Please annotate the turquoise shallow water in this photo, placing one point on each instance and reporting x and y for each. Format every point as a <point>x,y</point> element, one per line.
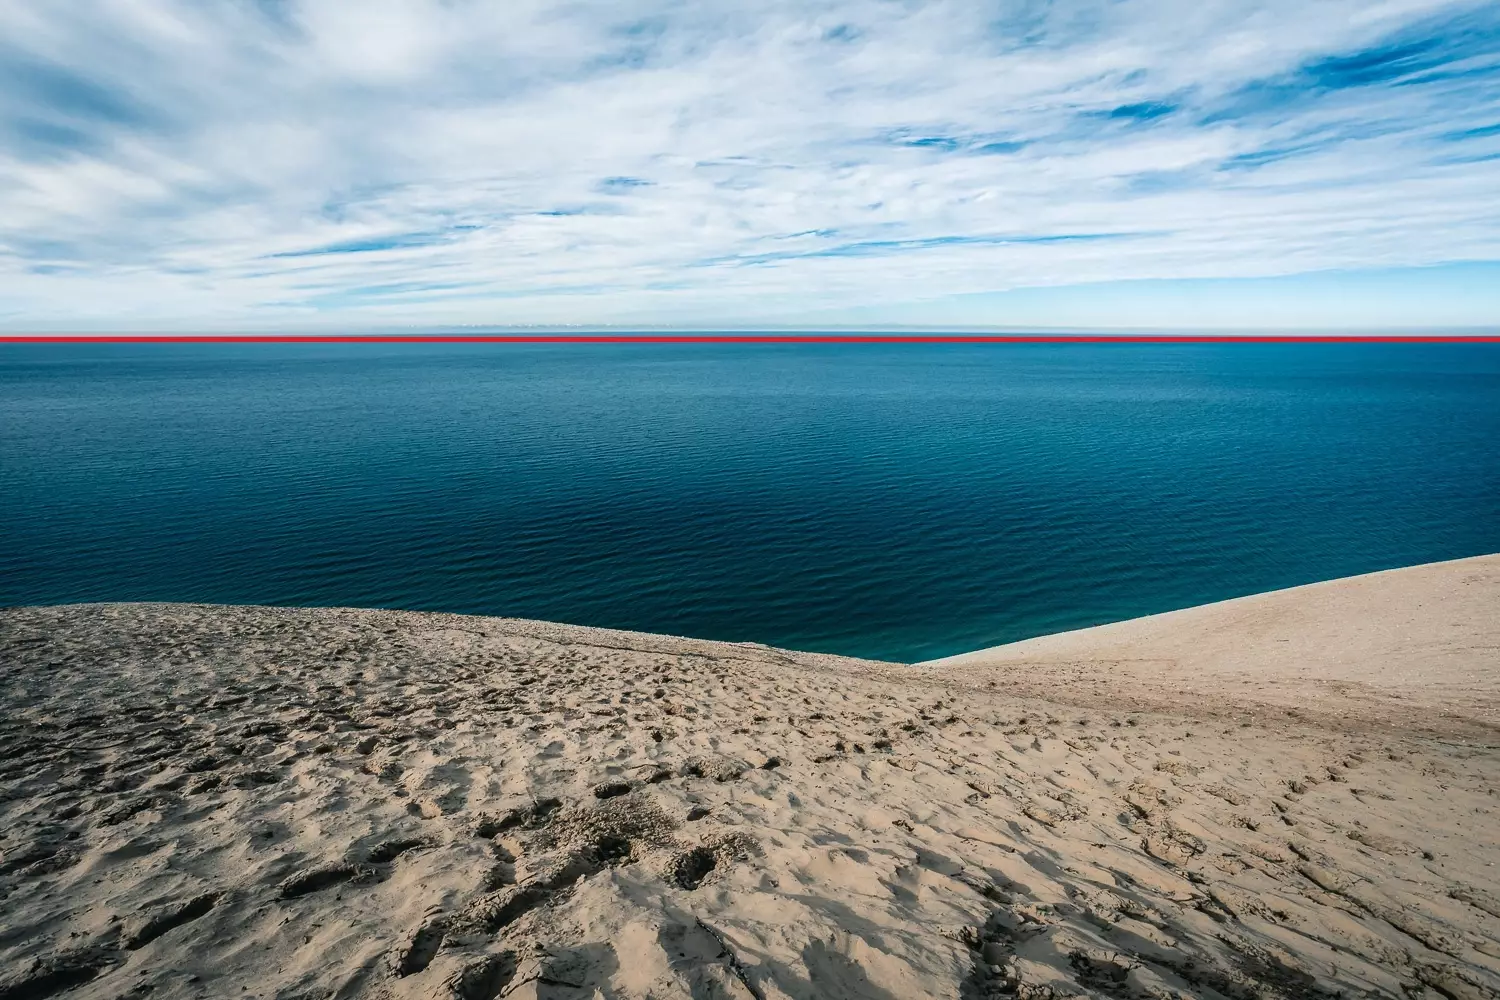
<point>902,502</point>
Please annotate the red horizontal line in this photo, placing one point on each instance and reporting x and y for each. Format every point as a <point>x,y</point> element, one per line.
<point>751,339</point>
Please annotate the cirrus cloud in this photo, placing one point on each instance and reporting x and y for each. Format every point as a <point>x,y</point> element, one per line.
<point>300,162</point>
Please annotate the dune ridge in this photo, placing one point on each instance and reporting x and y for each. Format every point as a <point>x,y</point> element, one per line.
<point>201,801</point>
<point>1414,648</point>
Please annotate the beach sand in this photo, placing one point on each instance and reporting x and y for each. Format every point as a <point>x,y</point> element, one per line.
<point>1414,649</point>
<point>1292,795</point>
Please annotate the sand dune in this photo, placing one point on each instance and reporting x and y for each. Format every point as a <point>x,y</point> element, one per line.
<point>1417,648</point>
<point>254,802</point>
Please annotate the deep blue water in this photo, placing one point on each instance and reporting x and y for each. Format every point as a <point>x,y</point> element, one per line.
<point>892,501</point>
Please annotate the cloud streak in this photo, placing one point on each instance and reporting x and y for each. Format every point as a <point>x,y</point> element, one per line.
<point>284,163</point>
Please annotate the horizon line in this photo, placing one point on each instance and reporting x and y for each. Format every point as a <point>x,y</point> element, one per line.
<point>756,338</point>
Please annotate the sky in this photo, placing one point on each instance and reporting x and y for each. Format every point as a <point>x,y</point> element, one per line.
<point>265,165</point>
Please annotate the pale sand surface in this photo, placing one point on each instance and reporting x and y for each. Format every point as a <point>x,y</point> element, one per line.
<point>1417,648</point>
<point>252,802</point>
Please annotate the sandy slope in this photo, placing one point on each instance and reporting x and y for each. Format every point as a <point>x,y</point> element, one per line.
<point>251,802</point>
<point>1418,648</point>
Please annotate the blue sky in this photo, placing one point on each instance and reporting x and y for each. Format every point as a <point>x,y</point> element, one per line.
<point>314,164</point>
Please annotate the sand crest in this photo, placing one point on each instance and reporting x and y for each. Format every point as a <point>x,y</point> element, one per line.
<point>254,802</point>
<point>1415,649</point>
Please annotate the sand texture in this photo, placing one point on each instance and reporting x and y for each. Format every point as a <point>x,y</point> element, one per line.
<point>250,802</point>
<point>1416,648</point>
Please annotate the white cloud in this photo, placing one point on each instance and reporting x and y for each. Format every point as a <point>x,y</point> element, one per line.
<point>282,163</point>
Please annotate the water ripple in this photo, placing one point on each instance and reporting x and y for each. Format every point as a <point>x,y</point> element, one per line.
<point>902,502</point>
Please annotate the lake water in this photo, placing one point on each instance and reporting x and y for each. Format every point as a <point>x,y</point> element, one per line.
<point>901,502</point>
